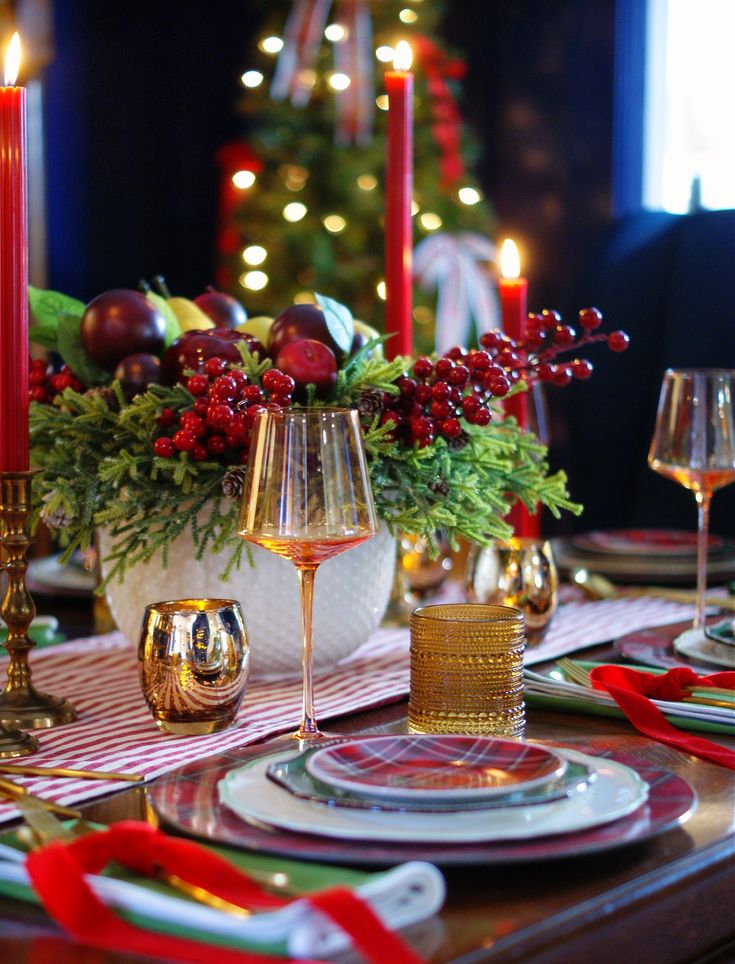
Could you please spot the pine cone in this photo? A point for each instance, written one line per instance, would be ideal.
(455, 444)
(440, 487)
(58, 518)
(233, 482)
(370, 403)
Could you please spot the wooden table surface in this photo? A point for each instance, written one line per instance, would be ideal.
(670, 899)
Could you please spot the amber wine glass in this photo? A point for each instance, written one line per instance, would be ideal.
(307, 497)
(694, 444)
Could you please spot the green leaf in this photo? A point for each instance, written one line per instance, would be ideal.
(70, 348)
(173, 328)
(340, 323)
(46, 308)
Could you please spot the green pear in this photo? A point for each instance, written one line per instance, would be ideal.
(189, 316)
(259, 327)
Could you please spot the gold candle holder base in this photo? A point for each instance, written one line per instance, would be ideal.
(21, 705)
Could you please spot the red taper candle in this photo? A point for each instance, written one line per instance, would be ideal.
(398, 197)
(513, 292)
(13, 270)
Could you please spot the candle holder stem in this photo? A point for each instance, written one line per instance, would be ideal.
(21, 705)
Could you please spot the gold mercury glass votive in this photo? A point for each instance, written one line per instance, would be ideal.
(520, 573)
(467, 670)
(193, 660)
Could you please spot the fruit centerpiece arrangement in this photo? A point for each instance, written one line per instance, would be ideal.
(144, 430)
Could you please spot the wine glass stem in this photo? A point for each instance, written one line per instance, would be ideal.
(703, 500)
(308, 719)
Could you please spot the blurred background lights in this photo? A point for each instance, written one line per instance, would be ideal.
(408, 16)
(339, 81)
(271, 45)
(252, 78)
(384, 53)
(382, 101)
(294, 211)
(366, 182)
(380, 288)
(430, 221)
(254, 254)
(335, 32)
(334, 223)
(468, 195)
(254, 280)
(243, 179)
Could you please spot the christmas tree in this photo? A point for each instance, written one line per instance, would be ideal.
(302, 199)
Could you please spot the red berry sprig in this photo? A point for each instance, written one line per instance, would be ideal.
(436, 397)
(218, 425)
(44, 384)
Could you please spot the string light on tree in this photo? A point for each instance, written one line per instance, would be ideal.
(254, 255)
(334, 223)
(254, 280)
(294, 211)
(339, 81)
(430, 221)
(414, 208)
(252, 78)
(408, 16)
(271, 45)
(335, 32)
(382, 101)
(385, 54)
(366, 182)
(243, 179)
(469, 195)
(380, 289)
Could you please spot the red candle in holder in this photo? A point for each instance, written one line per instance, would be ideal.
(398, 194)
(13, 270)
(513, 292)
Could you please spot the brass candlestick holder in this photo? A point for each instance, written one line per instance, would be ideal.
(21, 705)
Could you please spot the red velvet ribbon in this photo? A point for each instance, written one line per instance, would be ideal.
(633, 691)
(58, 870)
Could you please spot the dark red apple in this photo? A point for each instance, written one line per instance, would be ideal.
(224, 310)
(136, 372)
(193, 348)
(308, 361)
(118, 323)
(301, 321)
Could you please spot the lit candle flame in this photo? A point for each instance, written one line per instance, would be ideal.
(403, 57)
(510, 263)
(12, 60)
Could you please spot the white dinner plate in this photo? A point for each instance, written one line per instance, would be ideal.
(616, 792)
(696, 645)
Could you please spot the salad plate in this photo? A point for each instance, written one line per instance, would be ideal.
(293, 775)
(434, 767)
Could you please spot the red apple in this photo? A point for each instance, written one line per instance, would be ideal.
(118, 323)
(301, 322)
(224, 310)
(136, 372)
(308, 361)
(193, 348)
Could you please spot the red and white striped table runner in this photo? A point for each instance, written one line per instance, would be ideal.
(116, 732)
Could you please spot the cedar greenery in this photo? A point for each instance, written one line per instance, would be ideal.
(95, 451)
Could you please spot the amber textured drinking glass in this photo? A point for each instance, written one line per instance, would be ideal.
(694, 444)
(307, 497)
(467, 670)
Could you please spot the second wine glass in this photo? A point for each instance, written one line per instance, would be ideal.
(307, 497)
(694, 444)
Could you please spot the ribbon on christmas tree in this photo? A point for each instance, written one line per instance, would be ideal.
(447, 127)
(353, 56)
(454, 265)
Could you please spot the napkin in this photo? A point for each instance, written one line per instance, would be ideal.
(378, 903)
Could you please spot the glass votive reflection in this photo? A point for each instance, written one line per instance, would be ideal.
(467, 670)
(520, 573)
(193, 661)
